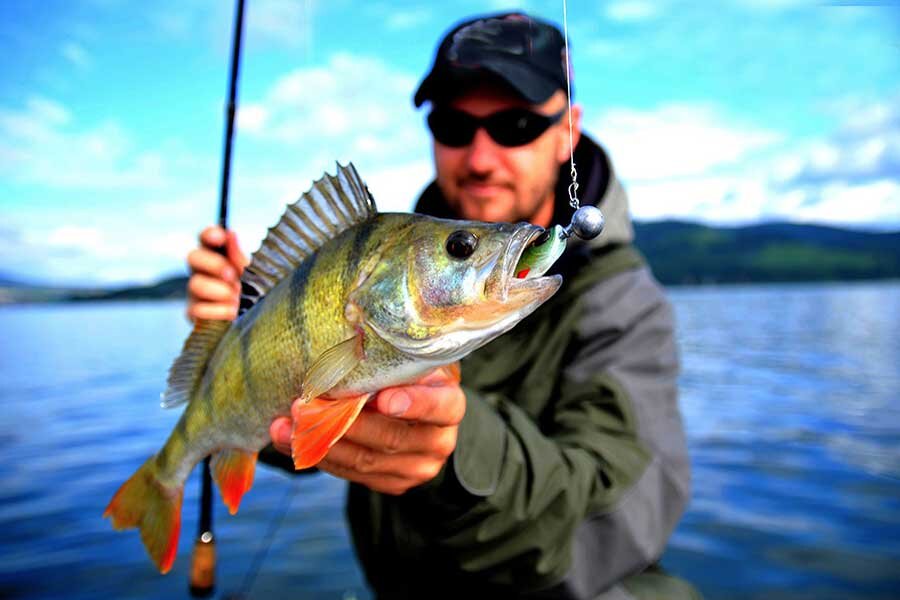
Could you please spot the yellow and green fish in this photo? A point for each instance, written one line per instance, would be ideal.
(339, 302)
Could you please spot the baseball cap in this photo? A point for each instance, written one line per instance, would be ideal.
(526, 54)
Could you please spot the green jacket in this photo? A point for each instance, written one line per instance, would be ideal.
(570, 470)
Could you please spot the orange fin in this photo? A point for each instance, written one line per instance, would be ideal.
(452, 371)
(143, 502)
(318, 424)
(232, 471)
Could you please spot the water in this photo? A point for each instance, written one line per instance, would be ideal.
(790, 398)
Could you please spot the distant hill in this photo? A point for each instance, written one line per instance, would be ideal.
(682, 252)
(679, 252)
(174, 287)
(13, 291)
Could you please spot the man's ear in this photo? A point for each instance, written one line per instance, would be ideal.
(562, 154)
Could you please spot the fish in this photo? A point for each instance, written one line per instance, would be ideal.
(340, 301)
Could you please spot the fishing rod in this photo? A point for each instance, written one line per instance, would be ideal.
(203, 561)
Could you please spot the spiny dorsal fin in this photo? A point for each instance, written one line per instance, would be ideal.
(332, 205)
(187, 370)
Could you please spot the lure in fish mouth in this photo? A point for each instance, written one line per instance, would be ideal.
(338, 303)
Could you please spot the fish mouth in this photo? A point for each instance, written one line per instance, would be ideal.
(504, 282)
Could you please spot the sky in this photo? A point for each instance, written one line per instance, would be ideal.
(112, 115)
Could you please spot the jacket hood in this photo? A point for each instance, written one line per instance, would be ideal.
(597, 185)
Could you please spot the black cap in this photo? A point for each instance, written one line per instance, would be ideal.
(525, 53)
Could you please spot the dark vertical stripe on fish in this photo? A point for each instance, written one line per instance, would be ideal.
(361, 237)
(299, 279)
(246, 367)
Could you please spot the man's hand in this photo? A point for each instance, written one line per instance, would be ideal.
(400, 440)
(214, 289)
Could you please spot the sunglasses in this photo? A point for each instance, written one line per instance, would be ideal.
(511, 127)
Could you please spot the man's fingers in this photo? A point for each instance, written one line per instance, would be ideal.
(213, 237)
(209, 262)
(280, 432)
(384, 484)
(209, 289)
(442, 405)
(390, 474)
(391, 436)
(212, 311)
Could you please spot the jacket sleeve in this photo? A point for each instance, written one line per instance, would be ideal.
(590, 494)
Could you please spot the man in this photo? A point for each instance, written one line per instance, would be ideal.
(557, 468)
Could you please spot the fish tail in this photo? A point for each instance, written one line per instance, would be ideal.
(144, 502)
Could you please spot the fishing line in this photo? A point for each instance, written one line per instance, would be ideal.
(587, 222)
(573, 187)
(263, 550)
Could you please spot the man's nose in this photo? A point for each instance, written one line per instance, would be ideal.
(483, 153)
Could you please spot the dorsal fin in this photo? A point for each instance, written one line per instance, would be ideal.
(187, 370)
(332, 205)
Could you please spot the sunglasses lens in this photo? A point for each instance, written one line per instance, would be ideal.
(513, 127)
(516, 127)
(452, 127)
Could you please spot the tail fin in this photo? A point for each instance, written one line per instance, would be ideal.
(143, 502)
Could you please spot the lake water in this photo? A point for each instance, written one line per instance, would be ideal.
(791, 399)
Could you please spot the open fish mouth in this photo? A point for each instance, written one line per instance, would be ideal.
(513, 280)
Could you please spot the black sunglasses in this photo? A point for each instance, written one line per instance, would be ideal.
(511, 127)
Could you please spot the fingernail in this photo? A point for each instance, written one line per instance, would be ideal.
(229, 274)
(398, 403)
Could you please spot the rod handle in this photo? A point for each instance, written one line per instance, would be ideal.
(203, 567)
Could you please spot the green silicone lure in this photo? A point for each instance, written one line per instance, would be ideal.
(539, 256)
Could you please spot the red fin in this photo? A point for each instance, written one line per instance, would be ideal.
(143, 502)
(452, 371)
(233, 470)
(318, 424)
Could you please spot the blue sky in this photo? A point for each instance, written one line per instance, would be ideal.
(111, 115)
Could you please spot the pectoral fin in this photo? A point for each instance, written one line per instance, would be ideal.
(332, 365)
(318, 424)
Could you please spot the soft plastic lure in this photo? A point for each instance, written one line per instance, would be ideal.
(542, 253)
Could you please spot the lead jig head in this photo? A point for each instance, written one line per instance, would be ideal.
(587, 223)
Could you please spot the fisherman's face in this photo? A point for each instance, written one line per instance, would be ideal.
(487, 181)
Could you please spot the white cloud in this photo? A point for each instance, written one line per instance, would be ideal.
(368, 112)
(407, 19)
(676, 140)
(876, 202)
(251, 118)
(279, 23)
(40, 147)
(631, 11)
(76, 54)
(864, 147)
(285, 22)
(86, 255)
(395, 188)
(690, 162)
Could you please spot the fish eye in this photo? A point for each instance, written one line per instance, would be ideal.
(461, 244)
